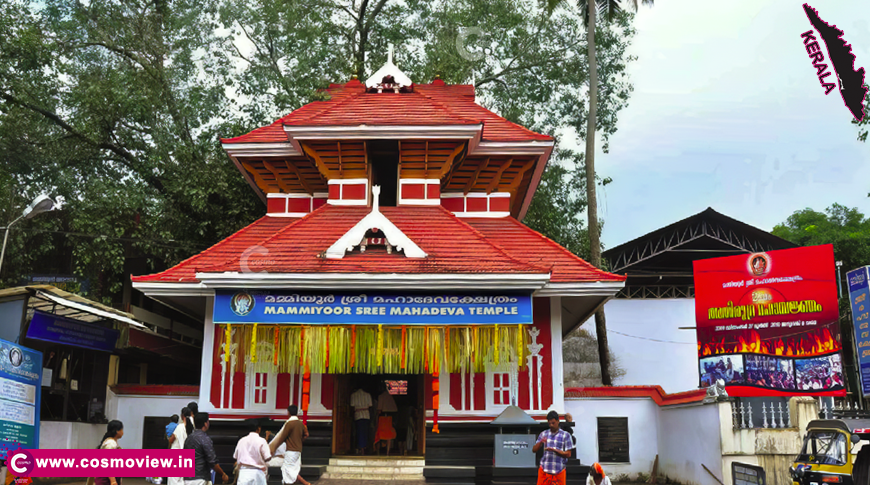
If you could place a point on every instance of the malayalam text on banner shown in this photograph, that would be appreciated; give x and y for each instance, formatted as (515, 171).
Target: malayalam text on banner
(768, 323)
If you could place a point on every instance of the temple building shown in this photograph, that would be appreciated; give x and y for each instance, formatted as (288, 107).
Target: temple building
(391, 258)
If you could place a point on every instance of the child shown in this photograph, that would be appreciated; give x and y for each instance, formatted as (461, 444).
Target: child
(173, 423)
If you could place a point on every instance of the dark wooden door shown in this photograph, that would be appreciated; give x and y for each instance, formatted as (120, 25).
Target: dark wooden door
(421, 415)
(342, 420)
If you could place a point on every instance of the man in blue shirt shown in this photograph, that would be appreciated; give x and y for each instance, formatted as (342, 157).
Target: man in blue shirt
(205, 458)
(557, 445)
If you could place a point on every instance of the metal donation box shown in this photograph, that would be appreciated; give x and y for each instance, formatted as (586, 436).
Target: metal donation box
(514, 450)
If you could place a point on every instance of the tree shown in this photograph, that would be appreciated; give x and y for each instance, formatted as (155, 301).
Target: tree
(114, 106)
(610, 8)
(848, 230)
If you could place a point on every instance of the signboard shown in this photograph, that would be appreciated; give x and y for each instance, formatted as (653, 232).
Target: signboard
(743, 474)
(767, 323)
(70, 283)
(61, 330)
(357, 308)
(859, 298)
(20, 394)
(514, 451)
(397, 388)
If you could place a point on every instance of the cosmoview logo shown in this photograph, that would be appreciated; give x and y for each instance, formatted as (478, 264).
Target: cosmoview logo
(21, 463)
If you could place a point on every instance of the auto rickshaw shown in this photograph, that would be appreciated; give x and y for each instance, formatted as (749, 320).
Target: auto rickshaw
(832, 453)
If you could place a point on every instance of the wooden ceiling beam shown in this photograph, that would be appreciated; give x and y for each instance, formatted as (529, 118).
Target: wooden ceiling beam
(497, 177)
(473, 180)
(278, 178)
(295, 170)
(318, 162)
(340, 170)
(518, 178)
(264, 186)
(450, 159)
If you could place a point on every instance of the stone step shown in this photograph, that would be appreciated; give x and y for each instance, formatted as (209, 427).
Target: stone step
(376, 470)
(379, 462)
(366, 476)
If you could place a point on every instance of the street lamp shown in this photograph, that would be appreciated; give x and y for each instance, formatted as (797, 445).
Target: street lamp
(41, 204)
(839, 281)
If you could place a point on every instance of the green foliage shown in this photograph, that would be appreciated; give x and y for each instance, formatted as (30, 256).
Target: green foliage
(117, 107)
(560, 201)
(847, 229)
(864, 123)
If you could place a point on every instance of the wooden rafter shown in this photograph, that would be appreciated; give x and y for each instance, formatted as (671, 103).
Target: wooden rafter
(473, 179)
(324, 170)
(278, 179)
(302, 180)
(264, 186)
(497, 177)
(426, 160)
(449, 163)
(340, 169)
(518, 178)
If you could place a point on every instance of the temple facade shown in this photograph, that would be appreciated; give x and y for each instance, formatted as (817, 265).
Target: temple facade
(390, 258)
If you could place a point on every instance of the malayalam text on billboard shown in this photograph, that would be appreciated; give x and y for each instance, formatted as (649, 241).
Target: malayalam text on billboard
(767, 323)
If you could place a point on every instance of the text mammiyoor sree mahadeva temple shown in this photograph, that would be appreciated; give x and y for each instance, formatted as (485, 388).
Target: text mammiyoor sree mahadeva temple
(391, 245)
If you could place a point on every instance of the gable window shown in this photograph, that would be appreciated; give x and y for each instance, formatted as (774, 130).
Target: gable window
(613, 440)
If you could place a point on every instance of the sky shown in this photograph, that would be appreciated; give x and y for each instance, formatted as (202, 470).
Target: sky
(728, 113)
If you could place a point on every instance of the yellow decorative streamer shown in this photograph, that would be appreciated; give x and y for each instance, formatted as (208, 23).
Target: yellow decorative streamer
(495, 343)
(254, 344)
(520, 336)
(228, 337)
(380, 345)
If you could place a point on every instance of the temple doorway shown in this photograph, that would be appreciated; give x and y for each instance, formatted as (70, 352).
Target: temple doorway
(408, 419)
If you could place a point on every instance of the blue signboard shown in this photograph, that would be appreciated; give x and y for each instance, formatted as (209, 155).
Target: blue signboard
(70, 332)
(356, 308)
(859, 298)
(20, 394)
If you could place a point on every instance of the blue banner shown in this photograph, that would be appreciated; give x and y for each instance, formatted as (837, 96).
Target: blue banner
(859, 298)
(20, 394)
(60, 330)
(356, 308)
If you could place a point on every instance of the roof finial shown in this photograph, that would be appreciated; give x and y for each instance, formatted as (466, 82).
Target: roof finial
(390, 53)
(376, 192)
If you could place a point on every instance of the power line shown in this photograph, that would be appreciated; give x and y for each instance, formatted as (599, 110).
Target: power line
(652, 339)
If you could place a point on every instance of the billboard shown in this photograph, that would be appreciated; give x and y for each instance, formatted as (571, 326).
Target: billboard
(20, 393)
(767, 323)
(859, 299)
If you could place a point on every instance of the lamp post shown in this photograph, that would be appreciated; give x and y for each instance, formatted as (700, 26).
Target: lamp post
(41, 204)
(839, 281)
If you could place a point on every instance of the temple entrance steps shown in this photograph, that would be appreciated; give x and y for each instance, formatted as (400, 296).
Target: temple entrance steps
(386, 468)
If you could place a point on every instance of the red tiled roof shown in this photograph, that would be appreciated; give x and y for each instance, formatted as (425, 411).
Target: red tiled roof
(229, 248)
(452, 245)
(656, 393)
(155, 390)
(535, 248)
(428, 104)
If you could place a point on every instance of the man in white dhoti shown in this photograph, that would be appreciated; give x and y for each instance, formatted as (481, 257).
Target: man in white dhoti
(252, 454)
(292, 434)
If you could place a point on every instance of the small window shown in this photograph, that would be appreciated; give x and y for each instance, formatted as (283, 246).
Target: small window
(613, 440)
(261, 385)
(501, 388)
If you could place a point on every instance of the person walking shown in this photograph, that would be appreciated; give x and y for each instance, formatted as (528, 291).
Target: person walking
(170, 428)
(252, 456)
(293, 433)
(386, 406)
(361, 401)
(205, 459)
(176, 441)
(596, 476)
(557, 446)
(114, 432)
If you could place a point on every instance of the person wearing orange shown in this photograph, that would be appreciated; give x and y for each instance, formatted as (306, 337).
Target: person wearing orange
(385, 431)
(596, 476)
(557, 445)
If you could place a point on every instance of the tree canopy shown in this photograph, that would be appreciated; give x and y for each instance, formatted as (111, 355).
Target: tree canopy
(847, 229)
(117, 106)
